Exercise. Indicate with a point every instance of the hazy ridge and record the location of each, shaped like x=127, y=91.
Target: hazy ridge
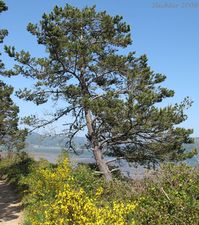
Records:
x=54, y=144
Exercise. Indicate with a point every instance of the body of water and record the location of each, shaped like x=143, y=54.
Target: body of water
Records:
x=135, y=172
x=87, y=157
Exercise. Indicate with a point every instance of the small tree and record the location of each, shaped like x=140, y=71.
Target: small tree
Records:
x=10, y=136
x=114, y=96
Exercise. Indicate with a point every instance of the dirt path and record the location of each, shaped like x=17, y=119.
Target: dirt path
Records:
x=10, y=207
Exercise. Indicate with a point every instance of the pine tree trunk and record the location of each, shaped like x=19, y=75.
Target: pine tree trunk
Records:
x=101, y=163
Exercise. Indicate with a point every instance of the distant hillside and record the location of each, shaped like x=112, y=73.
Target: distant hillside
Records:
x=60, y=141
x=38, y=142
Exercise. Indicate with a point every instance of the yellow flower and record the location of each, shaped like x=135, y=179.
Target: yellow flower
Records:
x=59, y=202
x=99, y=191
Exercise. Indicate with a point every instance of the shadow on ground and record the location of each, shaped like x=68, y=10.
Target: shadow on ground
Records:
x=10, y=206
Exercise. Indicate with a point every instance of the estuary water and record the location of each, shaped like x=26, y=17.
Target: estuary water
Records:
x=134, y=172
x=87, y=157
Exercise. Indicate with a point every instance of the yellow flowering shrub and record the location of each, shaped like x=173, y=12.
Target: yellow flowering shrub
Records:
x=74, y=207
x=57, y=198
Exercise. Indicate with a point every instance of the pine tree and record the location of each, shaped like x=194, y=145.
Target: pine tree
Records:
x=113, y=96
x=3, y=32
x=11, y=137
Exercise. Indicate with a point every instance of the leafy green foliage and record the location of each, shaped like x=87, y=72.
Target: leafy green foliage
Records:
x=84, y=177
x=171, y=197
x=167, y=196
x=14, y=168
x=61, y=195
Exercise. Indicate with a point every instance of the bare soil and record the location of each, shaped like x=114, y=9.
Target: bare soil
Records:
x=10, y=205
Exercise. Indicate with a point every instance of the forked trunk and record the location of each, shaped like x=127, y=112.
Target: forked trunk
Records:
x=101, y=163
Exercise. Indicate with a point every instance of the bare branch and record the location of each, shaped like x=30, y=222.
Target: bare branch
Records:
x=113, y=160
x=115, y=169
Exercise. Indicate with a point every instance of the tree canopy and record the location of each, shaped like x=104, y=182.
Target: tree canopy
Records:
x=113, y=96
x=3, y=32
x=11, y=137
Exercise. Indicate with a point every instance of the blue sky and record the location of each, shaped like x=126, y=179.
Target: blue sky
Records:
x=167, y=31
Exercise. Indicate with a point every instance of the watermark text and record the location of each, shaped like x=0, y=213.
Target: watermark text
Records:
x=175, y=5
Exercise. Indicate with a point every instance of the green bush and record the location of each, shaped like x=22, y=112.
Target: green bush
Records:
x=14, y=168
x=170, y=197
x=62, y=195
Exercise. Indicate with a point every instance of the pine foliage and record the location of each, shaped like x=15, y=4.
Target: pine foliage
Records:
x=11, y=138
x=114, y=96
